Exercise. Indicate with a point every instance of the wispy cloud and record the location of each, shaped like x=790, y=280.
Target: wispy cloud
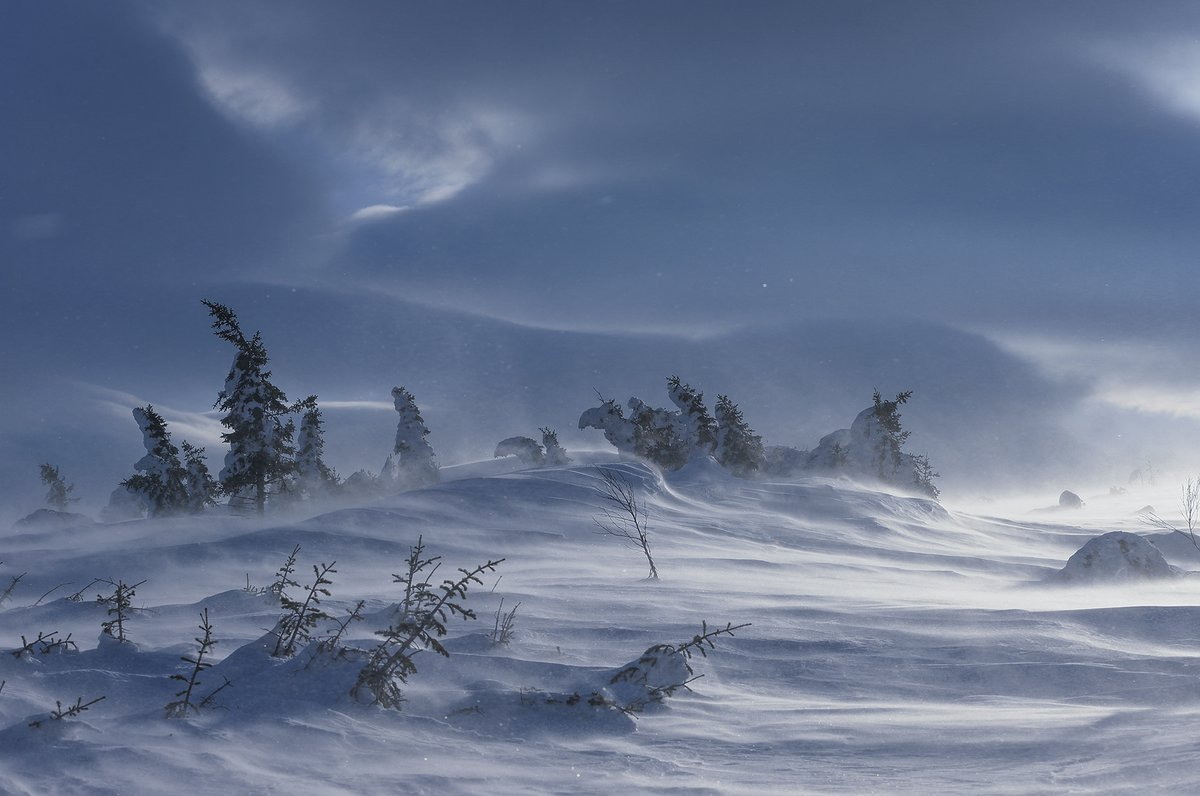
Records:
x=1169, y=70
x=375, y=212
x=253, y=96
x=199, y=428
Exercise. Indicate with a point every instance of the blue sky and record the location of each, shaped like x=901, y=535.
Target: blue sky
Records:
x=995, y=193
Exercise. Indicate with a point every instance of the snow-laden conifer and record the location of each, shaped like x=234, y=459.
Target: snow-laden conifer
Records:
x=609, y=418
x=701, y=427
x=738, y=449
x=202, y=488
x=412, y=463
x=260, y=434
x=660, y=435
x=58, y=491
x=313, y=476
x=160, y=483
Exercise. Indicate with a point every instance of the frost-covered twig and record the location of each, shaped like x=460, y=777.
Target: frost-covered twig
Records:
x=60, y=712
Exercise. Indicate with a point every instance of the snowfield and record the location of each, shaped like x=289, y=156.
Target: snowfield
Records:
x=894, y=646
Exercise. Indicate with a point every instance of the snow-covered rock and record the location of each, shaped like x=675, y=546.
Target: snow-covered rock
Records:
x=1116, y=557
x=50, y=518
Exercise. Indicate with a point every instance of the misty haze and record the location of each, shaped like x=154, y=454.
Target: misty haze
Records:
x=568, y=397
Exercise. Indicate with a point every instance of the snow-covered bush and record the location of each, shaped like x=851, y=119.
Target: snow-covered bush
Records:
x=872, y=448
x=556, y=456
x=525, y=449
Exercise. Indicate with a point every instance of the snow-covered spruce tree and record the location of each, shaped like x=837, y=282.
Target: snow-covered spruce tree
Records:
x=655, y=435
x=313, y=476
x=202, y=489
x=555, y=454
x=160, y=483
x=660, y=435
x=888, y=437
x=701, y=427
x=739, y=449
x=412, y=463
x=58, y=491
x=260, y=435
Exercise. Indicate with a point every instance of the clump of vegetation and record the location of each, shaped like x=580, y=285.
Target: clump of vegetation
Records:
x=419, y=623
x=505, y=625
x=300, y=617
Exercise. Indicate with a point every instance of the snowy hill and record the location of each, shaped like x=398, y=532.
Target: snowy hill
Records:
x=892, y=646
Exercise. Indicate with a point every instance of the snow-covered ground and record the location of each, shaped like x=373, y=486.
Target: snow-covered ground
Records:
x=894, y=646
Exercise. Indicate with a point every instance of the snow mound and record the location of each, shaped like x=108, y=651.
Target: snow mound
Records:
x=1116, y=557
x=50, y=518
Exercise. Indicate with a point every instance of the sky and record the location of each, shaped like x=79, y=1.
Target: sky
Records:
x=509, y=206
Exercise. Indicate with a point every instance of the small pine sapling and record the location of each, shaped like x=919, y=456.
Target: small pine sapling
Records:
x=421, y=621
x=59, y=713
x=283, y=575
x=12, y=584
x=120, y=606
x=181, y=706
x=625, y=516
x=299, y=618
x=332, y=645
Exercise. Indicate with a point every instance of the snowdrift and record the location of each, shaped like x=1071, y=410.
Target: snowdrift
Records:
x=882, y=632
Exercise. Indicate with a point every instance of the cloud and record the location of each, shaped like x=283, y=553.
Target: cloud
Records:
x=1167, y=69
x=374, y=212
x=199, y=428
x=253, y=96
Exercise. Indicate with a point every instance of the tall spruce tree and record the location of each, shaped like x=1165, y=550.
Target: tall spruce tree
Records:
x=256, y=414
x=739, y=449
x=161, y=480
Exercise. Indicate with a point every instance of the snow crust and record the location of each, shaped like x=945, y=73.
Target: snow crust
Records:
x=895, y=646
